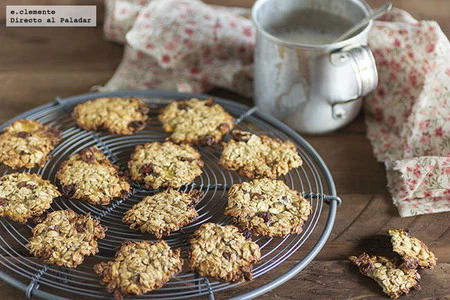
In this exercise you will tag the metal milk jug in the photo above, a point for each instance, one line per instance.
(303, 77)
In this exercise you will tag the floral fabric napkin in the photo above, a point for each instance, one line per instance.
(182, 45)
(190, 46)
(408, 115)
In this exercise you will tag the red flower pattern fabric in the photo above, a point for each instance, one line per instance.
(190, 46)
(408, 115)
(183, 45)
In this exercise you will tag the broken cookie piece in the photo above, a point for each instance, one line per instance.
(415, 254)
(395, 280)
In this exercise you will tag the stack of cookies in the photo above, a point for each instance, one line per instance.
(262, 205)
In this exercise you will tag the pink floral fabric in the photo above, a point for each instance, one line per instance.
(408, 115)
(182, 45)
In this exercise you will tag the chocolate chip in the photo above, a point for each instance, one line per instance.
(226, 255)
(208, 140)
(69, 190)
(256, 196)
(80, 227)
(52, 130)
(3, 201)
(24, 184)
(266, 216)
(88, 156)
(366, 268)
(55, 228)
(284, 199)
(23, 134)
(209, 102)
(247, 234)
(48, 253)
(123, 193)
(183, 106)
(224, 127)
(147, 169)
(137, 277)
(136, 125)
(188, 159)
(239, 136)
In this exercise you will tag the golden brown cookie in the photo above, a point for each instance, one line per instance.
(139, 267)
(24, 195)
(267, 207)
(65, 238)
(222, 253)
(91, 176)
(163, 212)
(259, 156)
(27, 143)
(395, 280)
(196, 122)
(414, 253)
(165, 164)
(117, 115)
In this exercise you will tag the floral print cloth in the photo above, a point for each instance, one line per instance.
(408, 115)
(182, 45)
(190, 46)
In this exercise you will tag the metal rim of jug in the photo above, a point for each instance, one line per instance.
(256, 7)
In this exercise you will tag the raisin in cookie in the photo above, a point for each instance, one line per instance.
(117, 115)
(27, 143)
(413, 252)
(91, 176)
(196, 122)
(24, 195)
(64, 238)
(267, 207)
(163, 212)
(139, 267)
(222, 253)
(165, 164)
(395, 280)
(259, 156)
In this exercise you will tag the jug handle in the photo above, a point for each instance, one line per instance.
(364, 67)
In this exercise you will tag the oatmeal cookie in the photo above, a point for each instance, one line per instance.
(117, 115)
(256, 156)
(24, 195)
(222, 253)
(64, 238)
(415, 254)
(196, 122)
(267, 207)
(91, 176)
(163, 212)
(165, 164)
(139, 267)
(395, 280)
(27, 143)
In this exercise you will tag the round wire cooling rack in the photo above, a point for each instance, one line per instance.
(47, 281)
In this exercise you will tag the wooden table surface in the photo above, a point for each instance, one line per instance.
(38, 64)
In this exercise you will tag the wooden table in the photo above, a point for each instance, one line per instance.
(38, 64)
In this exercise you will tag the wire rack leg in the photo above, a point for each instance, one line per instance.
(34, 284)
(208, 286)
